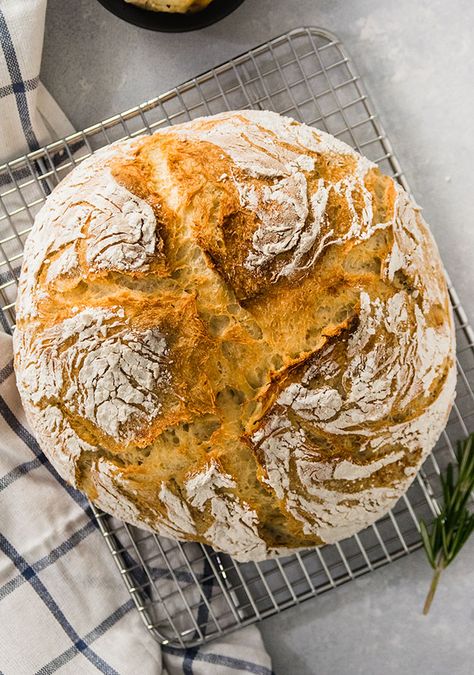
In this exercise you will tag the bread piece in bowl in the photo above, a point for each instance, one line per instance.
(172, 6)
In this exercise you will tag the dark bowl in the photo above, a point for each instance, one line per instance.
(171, 23)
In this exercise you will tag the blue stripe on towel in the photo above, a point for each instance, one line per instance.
(21, 470)
(49, 559)
(28, 439)
(22, 87)
(17, 83)
(202, 616)
(4, 323)
(222, 660)
(94, 634)
(6, 371)
(79, 644)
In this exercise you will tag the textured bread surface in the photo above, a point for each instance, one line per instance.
(173, 6)
(235, 331)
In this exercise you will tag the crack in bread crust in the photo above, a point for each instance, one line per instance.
(235, 331)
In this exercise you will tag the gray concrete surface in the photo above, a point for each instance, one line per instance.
(374, 625)
(417, 60)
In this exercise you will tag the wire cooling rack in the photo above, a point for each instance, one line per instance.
(186, 593)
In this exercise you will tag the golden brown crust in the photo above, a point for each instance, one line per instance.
(235, 331)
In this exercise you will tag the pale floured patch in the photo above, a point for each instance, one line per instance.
(336, 515)
(283, 210)
(346, 470)
(246, 140)
(110, 497)
(100, 369)
(321, 403)
(292, 220)
(121, 229)
(202, 486)
(234, 529)
(278, 440)
(295, 133)
(58, 440)
(66, 262)
(179, 518)
(414, 251)
(392, 357)
(389, 362)
(118, 228)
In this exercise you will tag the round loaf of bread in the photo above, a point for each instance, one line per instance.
(236, 331)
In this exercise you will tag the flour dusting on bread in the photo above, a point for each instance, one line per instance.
(235, 331)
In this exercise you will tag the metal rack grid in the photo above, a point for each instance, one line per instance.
(188, 594)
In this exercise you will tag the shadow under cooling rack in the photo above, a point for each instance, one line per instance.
(187, 593)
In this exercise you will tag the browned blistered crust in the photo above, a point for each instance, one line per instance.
(237, 338)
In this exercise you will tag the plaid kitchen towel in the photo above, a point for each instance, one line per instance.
(63, 605)
(29, 116)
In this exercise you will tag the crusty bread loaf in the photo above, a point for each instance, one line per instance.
(173, 6)
(235, 331)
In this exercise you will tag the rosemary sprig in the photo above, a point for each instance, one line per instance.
(452, 528)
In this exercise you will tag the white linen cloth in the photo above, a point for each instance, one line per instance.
(63, 605)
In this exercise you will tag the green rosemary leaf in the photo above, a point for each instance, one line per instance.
(462, 535)
(455, 523)
(437, 537)
(445, 487)
(444, 534)
(427, 543)
(461, 499)
(464, 455)
(450, 478)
